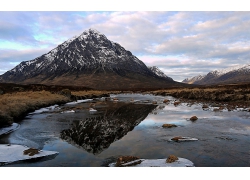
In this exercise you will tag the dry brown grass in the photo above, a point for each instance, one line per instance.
(229, 93)
(92, 92)
(14, 105)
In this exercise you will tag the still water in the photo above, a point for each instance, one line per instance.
(132, 125)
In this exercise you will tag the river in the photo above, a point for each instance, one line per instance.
(132, 125)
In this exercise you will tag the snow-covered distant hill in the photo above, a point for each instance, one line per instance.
(91, 60)
(159, 73)
(236, 74)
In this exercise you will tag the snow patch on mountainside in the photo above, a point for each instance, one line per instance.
(193, 79)
(222, 75)
(221, 72)
(158, 72)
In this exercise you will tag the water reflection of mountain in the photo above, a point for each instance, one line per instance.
(95, 134)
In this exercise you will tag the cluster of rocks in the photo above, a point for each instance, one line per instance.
(126, 161)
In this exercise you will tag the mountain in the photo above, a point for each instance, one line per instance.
(159, 73)
(193, 79)
(236, 74)
(89, 60)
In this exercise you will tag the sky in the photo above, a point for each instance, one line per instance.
(182, 43)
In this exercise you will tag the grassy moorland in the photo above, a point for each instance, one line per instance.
(235, 94)
(14, 106)
(18, 100)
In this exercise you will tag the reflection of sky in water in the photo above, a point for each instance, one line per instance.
(222, 135)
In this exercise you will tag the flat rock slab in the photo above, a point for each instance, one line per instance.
(9, 129)
(13, 153)
(181, 162)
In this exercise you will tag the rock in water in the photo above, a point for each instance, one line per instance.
(193, 118)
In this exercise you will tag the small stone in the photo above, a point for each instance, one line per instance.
(193, 118)
(165, 101)
(168, 125)
(154, 102)
(171, 158)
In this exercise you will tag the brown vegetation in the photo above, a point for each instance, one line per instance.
(171, 158)
(14, 106)
(225, 93)
(17, 100)
(125, 159)
(31, 151)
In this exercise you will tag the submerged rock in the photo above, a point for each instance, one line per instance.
(168, 125)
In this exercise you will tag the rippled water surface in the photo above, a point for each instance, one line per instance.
(133, 126)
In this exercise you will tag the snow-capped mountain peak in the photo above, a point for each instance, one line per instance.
(86, 55)
(158, 72)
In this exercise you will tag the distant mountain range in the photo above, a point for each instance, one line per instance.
(89, 60)
(237, 74)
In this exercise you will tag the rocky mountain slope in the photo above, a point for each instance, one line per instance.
(237, 74)
(89, 60)
(159, 73)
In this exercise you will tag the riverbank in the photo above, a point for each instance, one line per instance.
(15, 106)
(235, 94)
